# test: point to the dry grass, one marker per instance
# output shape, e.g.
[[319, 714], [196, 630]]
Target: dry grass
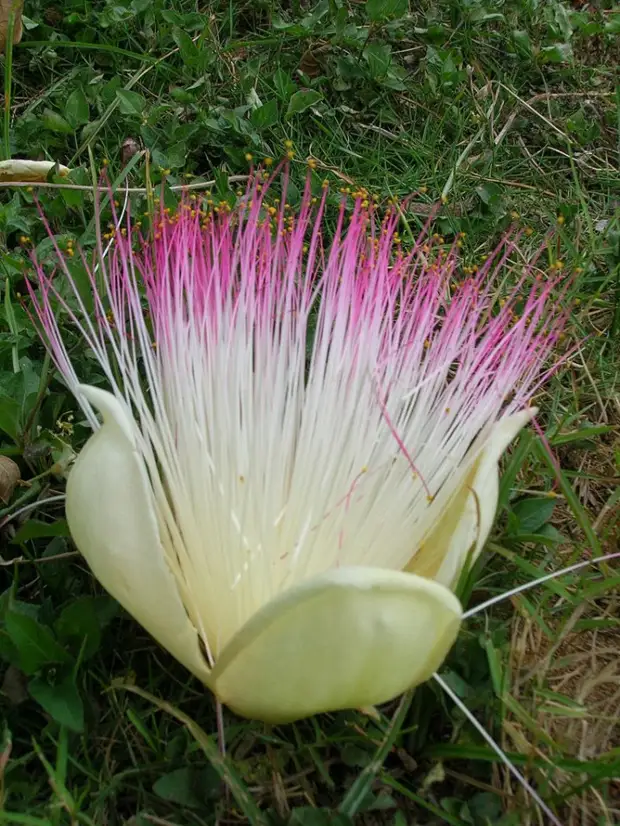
[[583, 669], [566, 671]]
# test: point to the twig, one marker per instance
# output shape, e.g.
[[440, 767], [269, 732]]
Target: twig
[[59, 498], [8, 82], [607, 508], [594, 387], [466, 152], [158, 821], [21, 560], [133, 190], [461, 158], [506, 182], [542, 96]]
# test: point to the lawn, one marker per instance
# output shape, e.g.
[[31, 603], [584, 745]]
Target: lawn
[[503, 117]]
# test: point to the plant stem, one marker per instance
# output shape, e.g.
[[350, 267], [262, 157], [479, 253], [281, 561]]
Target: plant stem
[[8, 78]]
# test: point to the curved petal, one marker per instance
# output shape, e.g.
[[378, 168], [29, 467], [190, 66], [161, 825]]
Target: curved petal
[[18, 169], [350, 638], [464, 511], [112, 521]]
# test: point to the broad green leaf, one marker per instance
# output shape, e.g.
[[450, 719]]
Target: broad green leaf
[[486, 807], [79, 624], [558, 53], [522, 43], [378, 11], [76, 108], [301, 101], [379, 57], [309, 816], [55, 122], [8, 652], [35, 529], [188, 22], [12, 213], [612, 24], [174, 156], [533, 513], [61, 701], [35, 644], [266, 115], [130, 103], [10, 411], [283, 84], [489, 193], [188, 50], [188, 786]]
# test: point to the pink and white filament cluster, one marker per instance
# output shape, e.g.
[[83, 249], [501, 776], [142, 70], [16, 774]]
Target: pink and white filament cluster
[[301, 392]]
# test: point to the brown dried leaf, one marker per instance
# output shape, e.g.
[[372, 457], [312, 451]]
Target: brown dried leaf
[[15, 685], [10, 475], [310, 64], [129, 148], [53, 16], [6, 7]]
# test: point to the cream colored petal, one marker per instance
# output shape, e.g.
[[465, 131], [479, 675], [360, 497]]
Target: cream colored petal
[[112, 521], [351, 638], [24, 170], [465, 510]]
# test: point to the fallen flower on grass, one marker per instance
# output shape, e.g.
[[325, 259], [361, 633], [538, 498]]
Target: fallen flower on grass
[[300, 440], [20, 169]]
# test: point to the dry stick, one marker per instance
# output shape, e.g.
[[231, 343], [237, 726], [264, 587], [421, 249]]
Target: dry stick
[[506, 182], [133, 190], [594, 387], [59, 498], [21, 560], [609, 505], [543, 664], [158, 821], [461, 158], [528, 105], [542, 96]]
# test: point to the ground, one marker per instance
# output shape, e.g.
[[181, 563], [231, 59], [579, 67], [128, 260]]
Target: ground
[[508, 115]]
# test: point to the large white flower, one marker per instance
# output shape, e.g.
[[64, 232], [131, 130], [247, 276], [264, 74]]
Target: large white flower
[[299, 445]]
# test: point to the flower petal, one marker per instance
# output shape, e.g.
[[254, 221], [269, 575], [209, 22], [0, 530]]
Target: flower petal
[[464, 511], [350, 638], [19, 169], [113, 523]]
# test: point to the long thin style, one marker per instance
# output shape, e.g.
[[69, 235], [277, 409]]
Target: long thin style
[[503, 757], [526, 586]]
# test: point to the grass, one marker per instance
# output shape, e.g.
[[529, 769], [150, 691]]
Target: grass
[[508, 111]]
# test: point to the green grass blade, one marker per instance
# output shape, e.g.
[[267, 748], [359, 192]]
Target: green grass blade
[[220, 763]]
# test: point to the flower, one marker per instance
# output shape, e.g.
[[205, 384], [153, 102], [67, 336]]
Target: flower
[[299, 446], [20, 169]]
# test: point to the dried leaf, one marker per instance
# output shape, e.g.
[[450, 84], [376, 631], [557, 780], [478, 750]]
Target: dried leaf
[[15, 685], [53, 16], [310, 64], [129, 148], [6, 7], [10, 475], [20, 169]]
